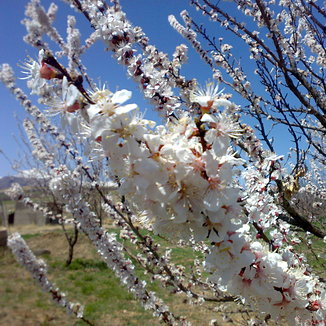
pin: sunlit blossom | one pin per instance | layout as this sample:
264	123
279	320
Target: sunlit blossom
209	98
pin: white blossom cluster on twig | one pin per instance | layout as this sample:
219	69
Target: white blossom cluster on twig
38	270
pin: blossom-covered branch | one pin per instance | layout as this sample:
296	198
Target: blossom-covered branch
38	270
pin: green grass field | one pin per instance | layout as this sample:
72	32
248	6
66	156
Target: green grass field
89	281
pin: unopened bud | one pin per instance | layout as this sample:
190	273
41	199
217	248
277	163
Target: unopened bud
47	72
74	107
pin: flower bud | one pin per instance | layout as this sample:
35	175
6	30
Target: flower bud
47	72
74	107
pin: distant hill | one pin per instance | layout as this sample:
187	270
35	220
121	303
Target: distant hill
6	182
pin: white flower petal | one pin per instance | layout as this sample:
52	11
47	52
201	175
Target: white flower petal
122	96
92	111
71	95
208	118
64	87
221	102
203	100
126	108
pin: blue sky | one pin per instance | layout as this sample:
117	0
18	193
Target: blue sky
151	15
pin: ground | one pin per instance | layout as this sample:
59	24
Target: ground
89	282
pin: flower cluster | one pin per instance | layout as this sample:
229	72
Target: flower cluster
40	152
181	175
184	179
